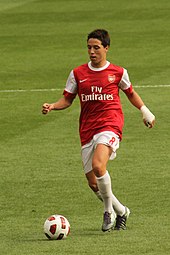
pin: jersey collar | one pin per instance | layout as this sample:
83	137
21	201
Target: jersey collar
98	69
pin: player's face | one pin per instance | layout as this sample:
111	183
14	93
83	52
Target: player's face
97	52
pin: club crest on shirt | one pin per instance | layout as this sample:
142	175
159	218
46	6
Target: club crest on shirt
111	77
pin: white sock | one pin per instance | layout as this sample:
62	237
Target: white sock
117	206
98	194
104	186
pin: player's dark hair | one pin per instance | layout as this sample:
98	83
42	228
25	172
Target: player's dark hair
101	35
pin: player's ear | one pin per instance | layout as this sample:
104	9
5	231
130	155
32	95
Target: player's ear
107	48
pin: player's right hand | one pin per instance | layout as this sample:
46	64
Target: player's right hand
46	108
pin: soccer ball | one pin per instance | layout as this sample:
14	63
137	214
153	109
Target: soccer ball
56	227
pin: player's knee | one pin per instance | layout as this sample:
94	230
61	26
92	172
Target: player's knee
98	168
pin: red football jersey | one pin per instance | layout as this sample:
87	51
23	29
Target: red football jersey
98	91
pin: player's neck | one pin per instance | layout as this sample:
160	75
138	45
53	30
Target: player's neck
99	64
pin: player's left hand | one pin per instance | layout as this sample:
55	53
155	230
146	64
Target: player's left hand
148	123
148	117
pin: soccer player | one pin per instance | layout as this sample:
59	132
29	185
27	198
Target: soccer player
97	84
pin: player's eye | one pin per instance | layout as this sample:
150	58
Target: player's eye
96	47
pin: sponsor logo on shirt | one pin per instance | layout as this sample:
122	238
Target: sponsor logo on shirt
96	95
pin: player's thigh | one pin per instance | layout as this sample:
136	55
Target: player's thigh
100	158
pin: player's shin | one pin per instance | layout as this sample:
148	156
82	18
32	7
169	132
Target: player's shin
104	186
98	195
117	206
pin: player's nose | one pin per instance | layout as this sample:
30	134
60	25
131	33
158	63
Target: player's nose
92	50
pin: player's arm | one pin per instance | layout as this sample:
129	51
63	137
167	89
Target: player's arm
69	95
61	104
135	99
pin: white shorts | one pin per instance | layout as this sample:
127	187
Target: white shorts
108	138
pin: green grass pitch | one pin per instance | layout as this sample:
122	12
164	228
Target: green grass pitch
40	164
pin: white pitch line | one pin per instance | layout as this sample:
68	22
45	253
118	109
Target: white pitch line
152	86
28	90
59	89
